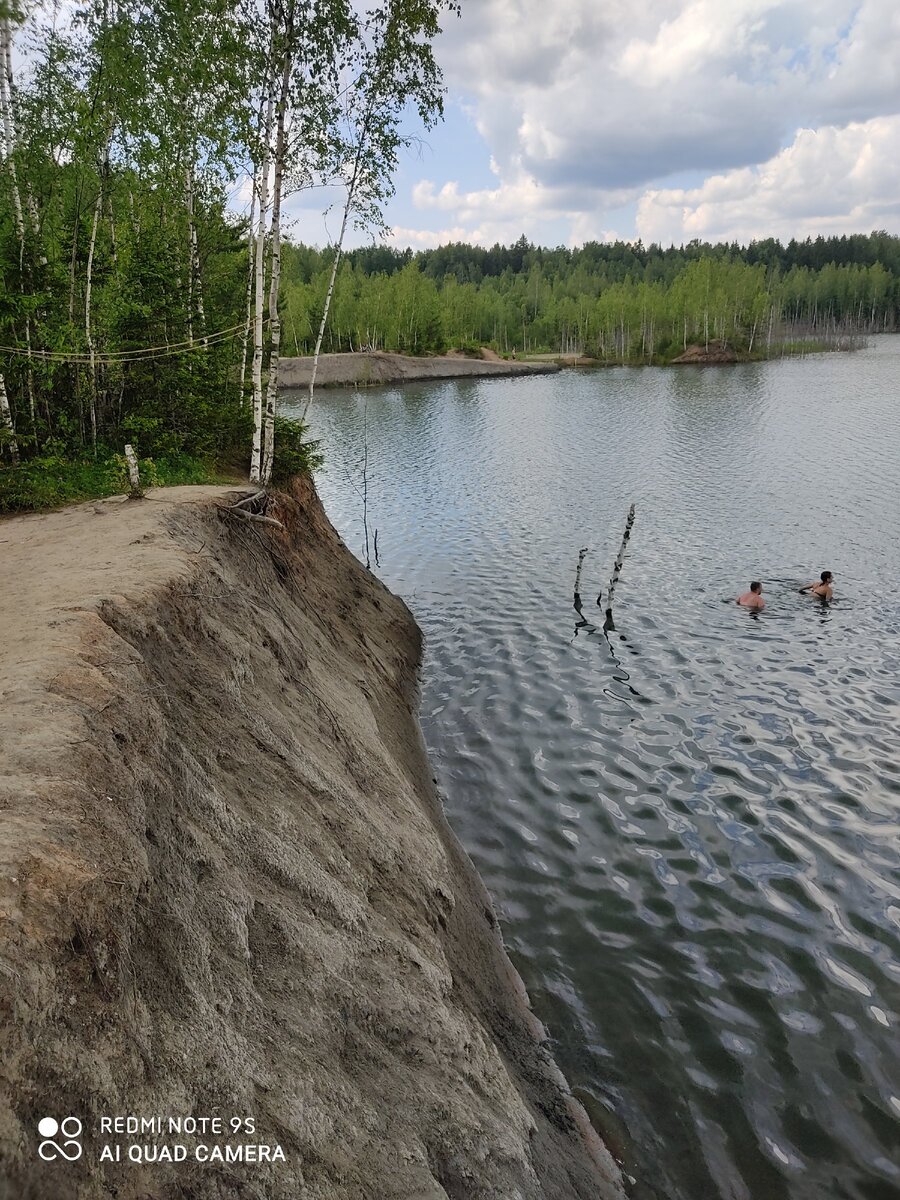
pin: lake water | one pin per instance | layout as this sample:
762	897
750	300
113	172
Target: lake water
690	823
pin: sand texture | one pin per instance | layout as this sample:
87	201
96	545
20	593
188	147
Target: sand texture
226	884
712	355
370	369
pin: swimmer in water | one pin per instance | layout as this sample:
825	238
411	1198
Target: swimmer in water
753	598
821	588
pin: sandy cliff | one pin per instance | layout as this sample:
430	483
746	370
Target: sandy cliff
226	885
369	368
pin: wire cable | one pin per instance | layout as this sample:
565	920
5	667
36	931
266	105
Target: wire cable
144	354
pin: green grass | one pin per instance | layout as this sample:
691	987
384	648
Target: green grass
52	481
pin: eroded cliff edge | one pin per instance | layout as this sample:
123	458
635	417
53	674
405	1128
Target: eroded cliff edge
227	883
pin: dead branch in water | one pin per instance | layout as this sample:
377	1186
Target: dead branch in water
617	566
576	601
365	497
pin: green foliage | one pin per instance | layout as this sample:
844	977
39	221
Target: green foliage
55	479
125	275
295	456
616	302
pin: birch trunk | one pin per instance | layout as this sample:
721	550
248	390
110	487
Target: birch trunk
9	136
88	331
245	337
9	142
328	296
195	288
249	307
6	423
351	196
29	377
30	203
268	458
189	204
259	295
134	474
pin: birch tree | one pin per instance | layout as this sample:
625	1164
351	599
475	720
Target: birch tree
393	68
7	430
307	39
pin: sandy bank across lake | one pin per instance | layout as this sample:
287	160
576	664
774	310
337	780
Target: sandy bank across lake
227	885
370	369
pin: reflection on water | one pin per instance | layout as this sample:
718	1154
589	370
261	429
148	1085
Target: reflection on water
688	819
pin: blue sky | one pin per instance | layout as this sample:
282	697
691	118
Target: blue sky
662	119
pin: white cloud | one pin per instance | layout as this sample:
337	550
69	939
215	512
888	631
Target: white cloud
503	213
828	180
586	107
620	94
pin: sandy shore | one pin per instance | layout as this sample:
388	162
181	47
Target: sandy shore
365	369
227	884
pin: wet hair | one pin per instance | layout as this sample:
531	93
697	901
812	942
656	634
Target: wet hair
826	577
755	586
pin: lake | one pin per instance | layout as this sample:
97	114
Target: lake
689	823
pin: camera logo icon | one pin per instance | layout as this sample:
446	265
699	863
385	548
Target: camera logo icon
68	1147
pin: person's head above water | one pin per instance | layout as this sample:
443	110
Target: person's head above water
826	577
756	586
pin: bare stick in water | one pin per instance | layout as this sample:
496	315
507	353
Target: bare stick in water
365	475
617	566
577	597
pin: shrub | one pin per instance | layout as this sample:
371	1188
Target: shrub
293	456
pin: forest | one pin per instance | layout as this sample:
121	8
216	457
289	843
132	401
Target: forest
141	301
147	151
617	302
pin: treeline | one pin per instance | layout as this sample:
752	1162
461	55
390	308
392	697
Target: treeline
135	306
617	301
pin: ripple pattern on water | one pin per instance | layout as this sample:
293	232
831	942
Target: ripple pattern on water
690	826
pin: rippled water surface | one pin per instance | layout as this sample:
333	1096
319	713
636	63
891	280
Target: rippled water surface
690	824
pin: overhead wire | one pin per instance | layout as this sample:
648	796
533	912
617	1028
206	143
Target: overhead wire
143	354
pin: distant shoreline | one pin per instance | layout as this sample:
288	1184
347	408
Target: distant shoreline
378	368
374	368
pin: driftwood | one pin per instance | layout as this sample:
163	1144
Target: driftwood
576	599
263	520
252	499
239	509
617	566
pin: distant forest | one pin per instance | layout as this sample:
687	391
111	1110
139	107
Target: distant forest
617	301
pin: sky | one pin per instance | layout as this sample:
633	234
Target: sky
664	120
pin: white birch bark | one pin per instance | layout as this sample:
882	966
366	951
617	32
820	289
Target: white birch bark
6	422
9	136
268	458
351	196
88	331
134	474
245	338
195	287
259	292
324	321
9	142
29	376
189	204
30	202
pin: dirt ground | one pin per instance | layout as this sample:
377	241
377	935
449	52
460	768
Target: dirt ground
370	369
226	884
711	355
